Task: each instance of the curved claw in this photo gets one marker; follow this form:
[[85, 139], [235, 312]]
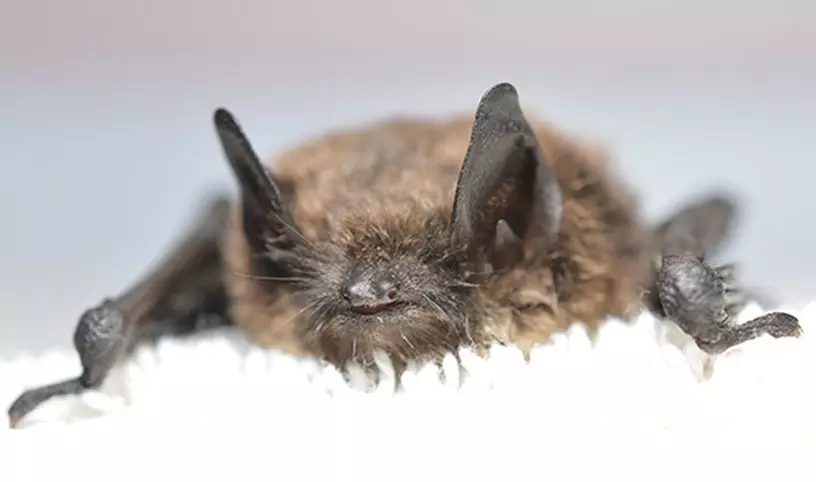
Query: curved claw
[[29, 400], [779, 324]]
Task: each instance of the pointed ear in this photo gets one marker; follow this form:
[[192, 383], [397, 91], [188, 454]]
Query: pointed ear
[[504, 177], [701, 227], [268, 225]]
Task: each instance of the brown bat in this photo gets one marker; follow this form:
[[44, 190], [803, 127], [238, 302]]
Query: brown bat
[[419, 237]]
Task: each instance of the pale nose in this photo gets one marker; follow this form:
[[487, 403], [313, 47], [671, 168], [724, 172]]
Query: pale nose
[[370, 292]]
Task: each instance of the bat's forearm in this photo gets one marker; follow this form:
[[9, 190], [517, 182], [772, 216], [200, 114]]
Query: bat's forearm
[[181, 290]]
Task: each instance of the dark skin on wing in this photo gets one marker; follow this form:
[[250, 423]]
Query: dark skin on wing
[[185, 292]]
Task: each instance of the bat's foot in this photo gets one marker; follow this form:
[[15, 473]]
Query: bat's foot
[[99, 340], [703, 302]]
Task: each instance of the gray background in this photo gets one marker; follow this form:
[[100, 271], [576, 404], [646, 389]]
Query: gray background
[[107, 144]]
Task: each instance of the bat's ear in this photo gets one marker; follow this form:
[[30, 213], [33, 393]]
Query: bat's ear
[[700, 227], [268, 225], [505, 177]]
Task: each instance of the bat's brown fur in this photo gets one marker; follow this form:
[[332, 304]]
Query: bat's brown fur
[[394, 182]]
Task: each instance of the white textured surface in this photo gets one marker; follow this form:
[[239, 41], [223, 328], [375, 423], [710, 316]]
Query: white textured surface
[[215, 405]]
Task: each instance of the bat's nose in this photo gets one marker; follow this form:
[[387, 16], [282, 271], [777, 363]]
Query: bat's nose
[[369, 292]]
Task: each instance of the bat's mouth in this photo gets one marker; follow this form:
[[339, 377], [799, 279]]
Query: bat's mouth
[[375, 308], [370, 309]]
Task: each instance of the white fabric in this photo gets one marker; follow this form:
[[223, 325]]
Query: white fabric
[[216, 406]]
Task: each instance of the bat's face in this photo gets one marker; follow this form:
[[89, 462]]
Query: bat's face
[[390, 284], [405, 282]]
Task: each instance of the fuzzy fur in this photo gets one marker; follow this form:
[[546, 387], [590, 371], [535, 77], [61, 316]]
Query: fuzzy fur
[[386, 191]]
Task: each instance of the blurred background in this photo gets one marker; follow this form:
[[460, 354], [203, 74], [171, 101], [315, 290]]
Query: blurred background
[[105, 115]]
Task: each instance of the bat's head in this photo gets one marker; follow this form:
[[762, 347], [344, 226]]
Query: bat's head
[[408, 282]]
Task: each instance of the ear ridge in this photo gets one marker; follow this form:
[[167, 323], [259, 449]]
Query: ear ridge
[[267, 223], [504, 176]]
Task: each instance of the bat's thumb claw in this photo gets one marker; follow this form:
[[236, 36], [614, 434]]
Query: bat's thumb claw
[[786, 325], [14, 422]]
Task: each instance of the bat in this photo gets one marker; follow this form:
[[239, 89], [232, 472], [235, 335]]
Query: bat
[[418, 237]]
